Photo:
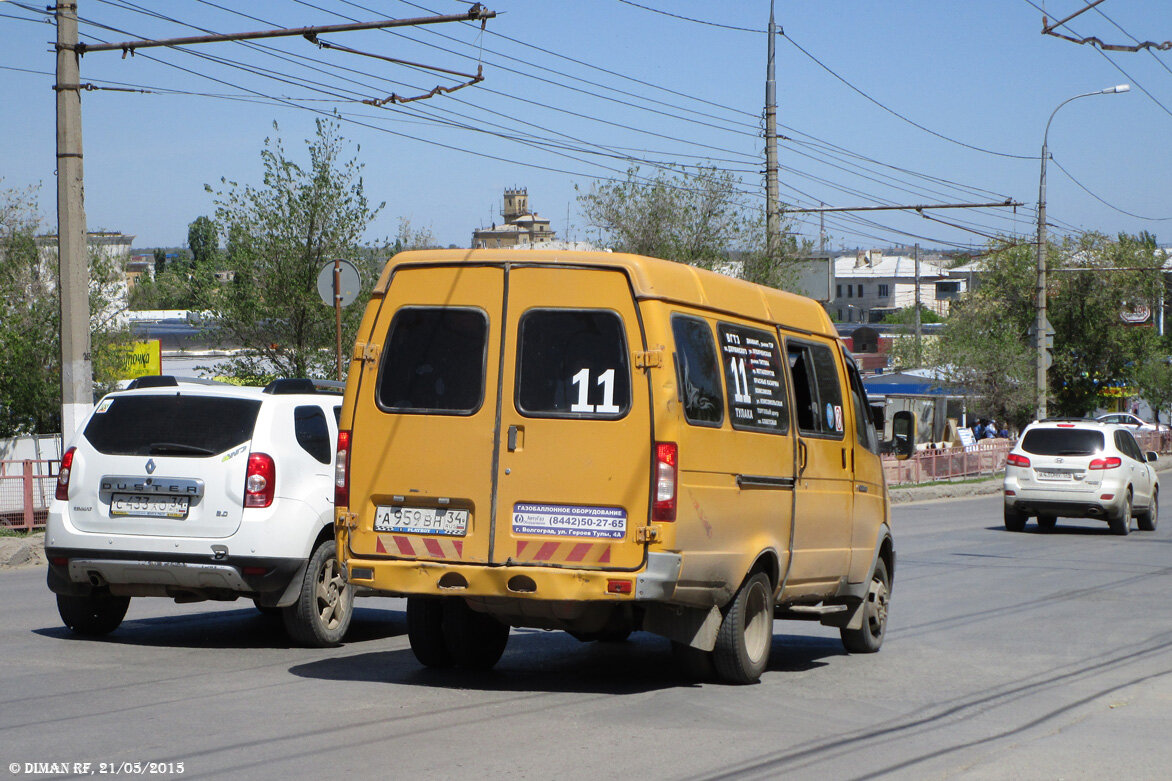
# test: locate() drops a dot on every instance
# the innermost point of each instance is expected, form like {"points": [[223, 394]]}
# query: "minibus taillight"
{"points": [[666, 471], [261, 482], [342, 471], [63, 475]]}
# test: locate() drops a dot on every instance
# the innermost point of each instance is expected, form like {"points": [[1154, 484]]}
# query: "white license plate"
{"points": [[421, 520], [152, 506], [1048, 474]]}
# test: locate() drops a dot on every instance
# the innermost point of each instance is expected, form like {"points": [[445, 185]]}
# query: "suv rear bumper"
{"points": [[1065, 508], [655, 582], [182, 577]]}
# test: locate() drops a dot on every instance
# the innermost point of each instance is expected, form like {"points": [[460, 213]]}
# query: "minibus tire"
{"points": [[425, 631], [93, 615], [475, 640], [746, 633], [869, 637]]}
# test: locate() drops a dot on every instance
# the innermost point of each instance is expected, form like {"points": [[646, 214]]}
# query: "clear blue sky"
{"points": [[574, 90]]}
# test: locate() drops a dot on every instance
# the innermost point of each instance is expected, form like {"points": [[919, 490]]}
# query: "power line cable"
{"points": [[1109, 205]]}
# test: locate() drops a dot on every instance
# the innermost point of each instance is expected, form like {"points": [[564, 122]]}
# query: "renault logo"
{"points": [[150, 466]]}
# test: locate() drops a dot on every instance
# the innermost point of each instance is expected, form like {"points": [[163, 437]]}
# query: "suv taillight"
{"points": [[342, 471], [63, 475], [1013, 459], [261, 481], [1106, 463], [666, 472]]}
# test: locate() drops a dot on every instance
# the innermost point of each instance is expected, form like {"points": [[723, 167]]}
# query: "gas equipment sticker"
{"points": [[564, 520]]}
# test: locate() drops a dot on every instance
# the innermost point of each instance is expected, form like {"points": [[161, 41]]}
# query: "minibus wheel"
{"points": [[867, 638], [475, 640], [92, 615], [425, 631], [746, 633]]}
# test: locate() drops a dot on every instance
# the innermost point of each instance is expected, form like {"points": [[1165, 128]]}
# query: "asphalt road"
{"points": [[1007, 656]]}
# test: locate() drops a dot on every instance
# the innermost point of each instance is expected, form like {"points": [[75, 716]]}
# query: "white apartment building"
{"points": [[869, 285]]}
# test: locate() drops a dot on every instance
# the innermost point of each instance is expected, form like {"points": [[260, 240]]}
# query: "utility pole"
{"points": [[821, 230], [772, 200], [919, 329], [72, 254]]}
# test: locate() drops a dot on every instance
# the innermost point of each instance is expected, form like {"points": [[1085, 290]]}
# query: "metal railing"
{"points": [[985, 458], [26, 488]]}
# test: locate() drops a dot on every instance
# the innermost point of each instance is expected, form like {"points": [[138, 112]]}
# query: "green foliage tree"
{"points": [[203, 239], [907, 316], [30, 351], [703, 219], [277, 236], [987, 345]]}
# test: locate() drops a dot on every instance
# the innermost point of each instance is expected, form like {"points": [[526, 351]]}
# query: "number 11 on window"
{"points": [[740, 382], [606, 380]]}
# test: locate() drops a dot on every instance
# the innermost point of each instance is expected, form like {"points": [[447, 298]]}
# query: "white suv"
{"points": [[1080, 469], [201, 491]]}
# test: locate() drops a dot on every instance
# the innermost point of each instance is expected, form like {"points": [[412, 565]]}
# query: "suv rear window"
{"points": [[1062, 442], [171, 425], [434, 361]]}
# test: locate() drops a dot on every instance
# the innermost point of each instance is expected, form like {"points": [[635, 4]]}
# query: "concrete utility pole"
{"points": [[919, 327], [77, 394], [772, 199]]}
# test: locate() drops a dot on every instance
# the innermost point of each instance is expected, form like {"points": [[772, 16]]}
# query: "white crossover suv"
{"points": [[196, 491], [1080, 469]]}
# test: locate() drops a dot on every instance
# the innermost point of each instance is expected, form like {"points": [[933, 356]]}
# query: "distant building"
{"points": [[520, 228], [869, 285], [112, 245]]}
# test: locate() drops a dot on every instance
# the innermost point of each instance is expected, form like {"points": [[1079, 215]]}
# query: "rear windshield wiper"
{"points": [[163, 448]]}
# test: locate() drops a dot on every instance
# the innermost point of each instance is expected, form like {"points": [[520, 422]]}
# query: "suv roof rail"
{"points": [[153, 381], [1069, 420], [289, 385]]}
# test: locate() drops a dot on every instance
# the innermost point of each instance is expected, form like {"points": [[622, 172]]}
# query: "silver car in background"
{"points": [[1080, 469]]}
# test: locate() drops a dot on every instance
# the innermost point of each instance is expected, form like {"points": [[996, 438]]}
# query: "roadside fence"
{"points": [[26, 488]]}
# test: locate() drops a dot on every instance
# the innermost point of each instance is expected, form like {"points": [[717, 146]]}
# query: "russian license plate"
{"points": [[149, 506], [421, 520], [1050, 474]]}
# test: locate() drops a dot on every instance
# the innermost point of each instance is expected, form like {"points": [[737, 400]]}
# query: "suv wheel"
{"points": [[1014, 520], [321, 615], [93, 615], [1046, 523], [1147, 519], [1121, 524]]}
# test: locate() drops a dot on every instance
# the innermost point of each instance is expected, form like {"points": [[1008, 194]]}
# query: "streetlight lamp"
{"points": [[1042, 324]]}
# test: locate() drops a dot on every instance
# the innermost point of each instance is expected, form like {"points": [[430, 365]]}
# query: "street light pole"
{"points": [[1042, 323]]}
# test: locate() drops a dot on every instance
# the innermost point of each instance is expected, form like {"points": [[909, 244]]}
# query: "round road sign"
{"points": [[350, 283]]}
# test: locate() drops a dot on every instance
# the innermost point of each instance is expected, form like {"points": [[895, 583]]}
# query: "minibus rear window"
{"points": [[434, 361], [573, 363]]}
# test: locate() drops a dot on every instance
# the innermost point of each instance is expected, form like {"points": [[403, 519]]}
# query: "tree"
{"points": [[703, 219], [987, 344], [30, 351], [277, 236], [203, 240]]}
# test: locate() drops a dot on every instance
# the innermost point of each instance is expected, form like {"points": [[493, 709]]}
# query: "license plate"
{"points": [[152, 506], [421, 520], [1048, 474]]}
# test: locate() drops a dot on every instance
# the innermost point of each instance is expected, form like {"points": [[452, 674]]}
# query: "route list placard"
{"points": [[756, 386]]}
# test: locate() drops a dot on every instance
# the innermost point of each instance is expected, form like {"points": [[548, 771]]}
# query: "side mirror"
{"points": [[878, 418], [1152, 455], [903, 431]]}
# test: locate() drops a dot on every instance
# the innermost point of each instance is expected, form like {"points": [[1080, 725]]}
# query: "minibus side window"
{"points": [[572, 363], [698, 371], [755, 380], [434, 361], [863, 425], [817, 390]]}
